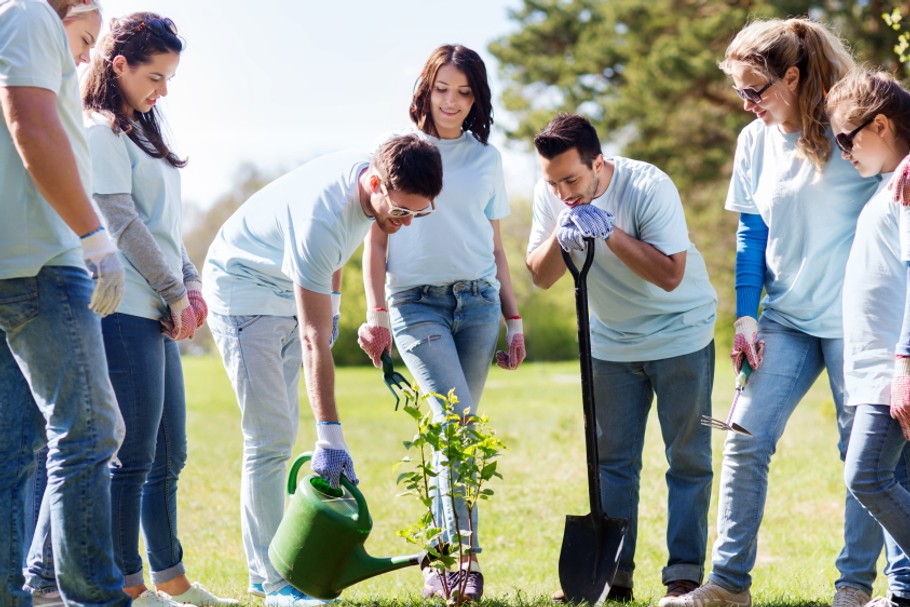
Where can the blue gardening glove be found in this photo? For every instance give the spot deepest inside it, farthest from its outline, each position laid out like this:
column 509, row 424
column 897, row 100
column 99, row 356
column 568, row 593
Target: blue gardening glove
column 336, row 317
column 331, row 458
column 577, row 223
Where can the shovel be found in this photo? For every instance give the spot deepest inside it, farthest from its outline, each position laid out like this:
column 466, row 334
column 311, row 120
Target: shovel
column 395, row 381
column 590, row 543
column 741, row 380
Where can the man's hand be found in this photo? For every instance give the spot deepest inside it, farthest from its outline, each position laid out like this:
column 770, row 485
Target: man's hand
column 375, row 336
column 516, row 341
column 580, row 222
column 746, row 344
column 197, row 302
column 900, row 394
column 330, row 457
column 103, row 263
column 182, row 323
column 336, row 317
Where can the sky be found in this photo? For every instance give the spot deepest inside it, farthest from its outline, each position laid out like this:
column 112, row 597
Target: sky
column 277, row 82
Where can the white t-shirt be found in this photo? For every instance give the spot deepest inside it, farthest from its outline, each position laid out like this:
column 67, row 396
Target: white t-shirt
column 455, row 242
column 34, row 53
column 633, row 319
column 298, row 229
column 811, row 219
column 874, row 290
column 119, row 166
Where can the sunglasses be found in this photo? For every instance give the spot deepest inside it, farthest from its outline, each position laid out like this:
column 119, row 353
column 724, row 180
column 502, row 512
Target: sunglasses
column 398, row 212
column 845, row 140
column 750, row 94
column 159, row 27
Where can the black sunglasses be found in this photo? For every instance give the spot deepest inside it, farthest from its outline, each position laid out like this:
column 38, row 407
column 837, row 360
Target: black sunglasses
column 750, row 94
column 845, row 140
column 159, row 27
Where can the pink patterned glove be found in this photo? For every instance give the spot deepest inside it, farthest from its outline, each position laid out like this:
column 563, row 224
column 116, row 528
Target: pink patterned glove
column 746, row 344
column 197, row 302
column 900, row 394
column 900, row 183
column 375, row 336
column 182, row 323
column 516, row 340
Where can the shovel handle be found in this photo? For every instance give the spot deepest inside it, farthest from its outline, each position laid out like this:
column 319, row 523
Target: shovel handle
column 580, row 275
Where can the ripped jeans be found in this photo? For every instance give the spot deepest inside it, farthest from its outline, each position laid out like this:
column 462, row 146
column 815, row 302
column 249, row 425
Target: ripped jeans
column 447, row 335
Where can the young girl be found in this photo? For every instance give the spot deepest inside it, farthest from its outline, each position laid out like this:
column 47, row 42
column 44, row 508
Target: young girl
column 447, row 277
column 870, row 112
column 798, row 202
column 136, row 186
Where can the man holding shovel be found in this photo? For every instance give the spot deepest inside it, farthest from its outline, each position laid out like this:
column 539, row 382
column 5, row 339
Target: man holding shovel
column 652, row 329
column 269, row 277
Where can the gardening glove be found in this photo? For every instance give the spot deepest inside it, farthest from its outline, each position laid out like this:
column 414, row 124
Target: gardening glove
column 516, row 341
column 331, row 458
column 103, row 264
column 900, row 183
column 583, row 221
column 336, row 317
column 375, row 336
column 182, row 321
column 746, row 344
column 197, row 302
column 900, row 394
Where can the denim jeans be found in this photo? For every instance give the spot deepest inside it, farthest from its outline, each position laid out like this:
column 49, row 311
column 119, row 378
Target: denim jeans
column 262, row 357
column 52, row 366
column 446, row 336
column 793, row 360
column 877, row 472
column 623, row 393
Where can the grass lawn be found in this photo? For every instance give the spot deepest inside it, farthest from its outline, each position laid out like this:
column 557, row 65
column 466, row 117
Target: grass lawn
column 537, row 412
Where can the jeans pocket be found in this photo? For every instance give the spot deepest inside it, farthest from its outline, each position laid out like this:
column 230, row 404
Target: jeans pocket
column 18, row 302
column 408, row 296
column 488, row 292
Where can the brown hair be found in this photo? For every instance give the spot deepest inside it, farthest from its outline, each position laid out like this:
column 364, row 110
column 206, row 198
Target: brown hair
column 773, row 46
column 480, row 118
column 565, row 132
column 410, row 164
column 864, row 93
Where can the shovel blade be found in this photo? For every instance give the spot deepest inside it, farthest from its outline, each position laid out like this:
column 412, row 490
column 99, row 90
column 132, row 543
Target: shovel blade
column 589, row 557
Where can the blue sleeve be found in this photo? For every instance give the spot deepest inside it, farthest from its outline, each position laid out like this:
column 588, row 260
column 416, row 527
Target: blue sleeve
column 751, row 243
column 903, row 345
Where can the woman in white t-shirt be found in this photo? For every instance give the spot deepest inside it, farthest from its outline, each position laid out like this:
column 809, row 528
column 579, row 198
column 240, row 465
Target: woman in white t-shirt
column 447, row 278
column 870, row 112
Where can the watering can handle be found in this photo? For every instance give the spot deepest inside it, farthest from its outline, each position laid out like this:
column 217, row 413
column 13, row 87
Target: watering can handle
column 352, row 489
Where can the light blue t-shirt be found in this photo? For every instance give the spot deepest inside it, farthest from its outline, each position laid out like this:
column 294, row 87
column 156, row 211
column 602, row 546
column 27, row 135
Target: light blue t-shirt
column 34, row 53
column 811, row 219
column 455, row 242
column 875, row 287
column 119, row 166
column 298, row 229
column 633, row 319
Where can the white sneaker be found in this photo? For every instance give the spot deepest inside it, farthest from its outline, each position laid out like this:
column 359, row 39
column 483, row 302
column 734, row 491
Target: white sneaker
column 152, row 598
column 199, row 596
column 709, row 595
column 847, row 596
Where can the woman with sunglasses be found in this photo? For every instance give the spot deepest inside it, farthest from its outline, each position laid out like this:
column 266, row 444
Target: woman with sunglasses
column 136, row 186
column 870, row 111
column 798, row 201
column 447, row 278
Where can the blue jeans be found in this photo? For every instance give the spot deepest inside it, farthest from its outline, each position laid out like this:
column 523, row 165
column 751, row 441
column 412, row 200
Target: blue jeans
column 877, row 472
column 623, row 393
column 446, row 335
column 147, row 376
column 793, row 360
column 262, row 357
column 54, row 383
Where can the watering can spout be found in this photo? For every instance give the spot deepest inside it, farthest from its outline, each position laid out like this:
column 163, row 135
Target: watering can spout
column 319, row 546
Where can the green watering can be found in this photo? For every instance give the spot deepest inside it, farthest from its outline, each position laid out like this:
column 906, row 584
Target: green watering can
column 319, row 545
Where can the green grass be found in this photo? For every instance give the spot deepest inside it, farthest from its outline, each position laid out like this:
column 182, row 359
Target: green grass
column 537, row 412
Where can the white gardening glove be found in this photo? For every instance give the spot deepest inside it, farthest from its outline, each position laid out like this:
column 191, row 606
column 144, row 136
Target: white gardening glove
column 375, row 336
column 515, row 340
column 900, row 394
column 580, row 222
column 182, row 321
column 103, row 264
column 746, row 344
column 336, row 317
column 900, row 183
column 330, row 457
column 197, row 301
